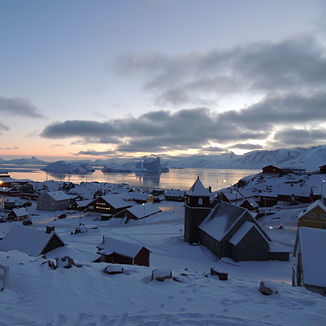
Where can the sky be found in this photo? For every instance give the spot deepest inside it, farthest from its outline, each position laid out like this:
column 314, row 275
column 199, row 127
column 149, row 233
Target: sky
column 85, row 79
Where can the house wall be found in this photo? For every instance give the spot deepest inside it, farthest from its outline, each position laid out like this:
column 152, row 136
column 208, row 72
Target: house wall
column 54, row 243
column 252, row 247
column 47, row 203
column 99, row 205
column 142, row 258
column 317, row 222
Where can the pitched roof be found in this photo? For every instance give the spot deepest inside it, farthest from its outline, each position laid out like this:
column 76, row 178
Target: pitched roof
column 143, row 210
column 111, row 245
column 313, row 257
column 29, row 240
column 198, row 189
column 317, row 203
column 116, row 201
column 221, row 219
column 294, row 189
column 20, row 211
column 59, row 195
column 245, row 228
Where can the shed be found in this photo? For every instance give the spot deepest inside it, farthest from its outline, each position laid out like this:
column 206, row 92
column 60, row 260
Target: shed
column 113, row 250
column 18, row 214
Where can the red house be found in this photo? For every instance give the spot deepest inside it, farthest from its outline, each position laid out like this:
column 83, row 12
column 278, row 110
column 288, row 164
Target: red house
column 121, row 252
column 271, row 169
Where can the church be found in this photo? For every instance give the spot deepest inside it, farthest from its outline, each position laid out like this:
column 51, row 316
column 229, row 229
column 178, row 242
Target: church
column 225, row 229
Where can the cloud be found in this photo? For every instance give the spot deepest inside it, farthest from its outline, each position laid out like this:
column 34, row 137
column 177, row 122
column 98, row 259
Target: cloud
column 9, row 148
column 3, row 127
column 92, row 152
column 297, row 64
column 19, row 107
column 300, row 137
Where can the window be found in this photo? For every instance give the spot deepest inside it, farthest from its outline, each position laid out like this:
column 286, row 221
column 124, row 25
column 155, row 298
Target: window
column 312, row 215
column 322, row 215
column 200, row 201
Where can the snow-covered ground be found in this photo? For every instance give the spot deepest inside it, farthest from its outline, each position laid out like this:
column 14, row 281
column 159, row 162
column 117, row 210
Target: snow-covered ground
column 38, row 295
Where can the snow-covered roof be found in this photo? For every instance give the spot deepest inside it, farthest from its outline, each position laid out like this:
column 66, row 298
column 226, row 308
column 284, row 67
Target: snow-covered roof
column 112, row 245
column 317, row 203
column 221, row 219
column 174, row 193
column 198, row 189
column 245, row 228
column 143, row 210
column 116, row 201
column 59, row 195
column 297, row 189
column 29, row 240
column 20, row 211
column 312, row 244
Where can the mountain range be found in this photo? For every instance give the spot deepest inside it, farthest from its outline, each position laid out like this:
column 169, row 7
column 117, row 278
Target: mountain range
column 304, row 158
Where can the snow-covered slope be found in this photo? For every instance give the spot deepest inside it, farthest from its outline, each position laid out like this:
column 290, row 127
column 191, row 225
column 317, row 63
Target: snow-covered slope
column 305, row 158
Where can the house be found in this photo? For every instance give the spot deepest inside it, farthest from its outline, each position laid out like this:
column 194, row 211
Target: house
column 314, row 216
column 250, row 204
column 138, row 212
column 54, row 201
column 293, row 193
column 310, row 260
column 121, row 252
column 18, row 214
column 31, row 241
column 175, row 195
column 271, row 169
column 268, row 199
column 108, row 204
column 227, row 230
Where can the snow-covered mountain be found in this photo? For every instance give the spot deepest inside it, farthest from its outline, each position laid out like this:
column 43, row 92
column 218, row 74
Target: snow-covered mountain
column 24, row 161
column 304, row 158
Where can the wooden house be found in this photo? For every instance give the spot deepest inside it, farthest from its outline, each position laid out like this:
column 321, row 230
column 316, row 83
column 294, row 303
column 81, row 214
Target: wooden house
column 113, row 250
column 250, row 204
column 294, row 193
column 18, row 214
column 310, row 260
column 108, row 204
column 271, row 169
column 54, row 201
column 31, row 241
column 231, row 231
column 314, row 216
column 268, row 199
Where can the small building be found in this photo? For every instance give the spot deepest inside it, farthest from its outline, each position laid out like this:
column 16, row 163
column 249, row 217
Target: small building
column 18, row 214
column 31, row 241
column 54, row 201
column 271, row 169
column 314, row 216
column 108, row 204
column 310, row 260
column 116, row 251
column 250, row 204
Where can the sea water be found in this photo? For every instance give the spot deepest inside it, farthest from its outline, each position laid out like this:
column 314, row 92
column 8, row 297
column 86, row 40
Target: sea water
column 181, row 179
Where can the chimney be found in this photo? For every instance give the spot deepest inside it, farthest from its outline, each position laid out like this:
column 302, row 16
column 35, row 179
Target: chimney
column 49, row 229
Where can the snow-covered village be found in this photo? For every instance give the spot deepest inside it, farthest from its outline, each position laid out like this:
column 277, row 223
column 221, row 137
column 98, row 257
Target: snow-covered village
column 111, row 254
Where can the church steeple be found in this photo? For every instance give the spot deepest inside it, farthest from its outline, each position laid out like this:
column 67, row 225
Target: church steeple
column 196, row 209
